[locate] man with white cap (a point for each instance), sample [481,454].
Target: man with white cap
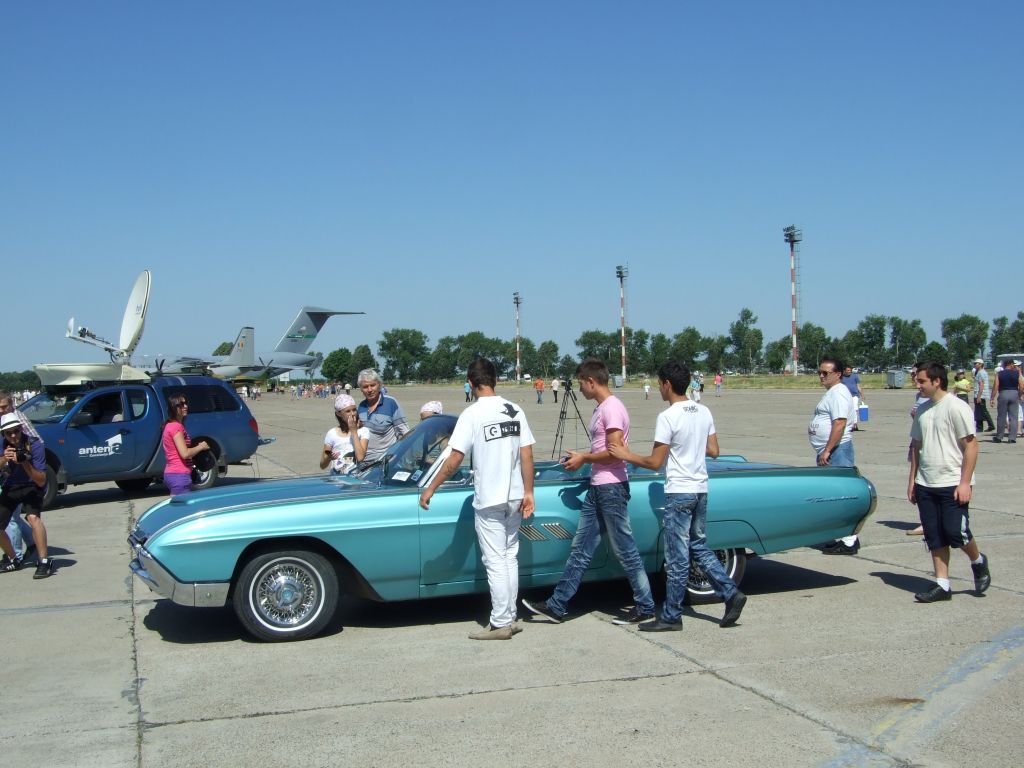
[23,464]
[981,393]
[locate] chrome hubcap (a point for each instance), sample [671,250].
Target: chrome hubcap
[287,594]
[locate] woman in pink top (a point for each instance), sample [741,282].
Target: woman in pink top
[178,472]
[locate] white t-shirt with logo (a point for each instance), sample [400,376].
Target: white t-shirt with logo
[492,430]
[341,443]
[836,404]
[685,427]
[939,426]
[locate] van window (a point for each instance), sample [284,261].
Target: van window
[203,398]
[137,402]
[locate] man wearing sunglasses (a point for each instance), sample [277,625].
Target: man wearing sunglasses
[23,466]
[830,434]
[18,531]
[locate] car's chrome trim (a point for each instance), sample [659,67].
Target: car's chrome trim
[158,579]
[531,533]
[558,531]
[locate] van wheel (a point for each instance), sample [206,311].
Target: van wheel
[51,487]
[204,473]
[135,485]
[699,590]
[203,480]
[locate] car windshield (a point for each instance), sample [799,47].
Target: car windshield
[409,459]
[46,408]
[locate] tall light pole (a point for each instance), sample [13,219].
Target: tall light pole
[793,236]
[621,272]
[517,300]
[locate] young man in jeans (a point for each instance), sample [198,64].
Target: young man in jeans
[605,505]
[684,436]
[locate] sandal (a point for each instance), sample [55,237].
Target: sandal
[919,531]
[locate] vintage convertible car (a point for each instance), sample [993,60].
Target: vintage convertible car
[283,551]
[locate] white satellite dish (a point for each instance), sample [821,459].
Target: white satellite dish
[135,314]
[132,324]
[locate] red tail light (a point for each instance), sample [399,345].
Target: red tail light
[254,427]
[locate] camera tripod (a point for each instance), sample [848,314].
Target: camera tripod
[569,395]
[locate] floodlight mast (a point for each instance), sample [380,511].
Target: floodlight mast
[517,300]
[621,272]
[792,235]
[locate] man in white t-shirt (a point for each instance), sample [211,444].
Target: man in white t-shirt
[944,454]
[831,435]
[605,507]
[494,431]
[684,436]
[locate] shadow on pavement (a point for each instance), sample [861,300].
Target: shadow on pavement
[899,525]
[774,576]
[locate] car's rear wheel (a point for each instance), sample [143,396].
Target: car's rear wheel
[699,590]
[135,485]
[287,595]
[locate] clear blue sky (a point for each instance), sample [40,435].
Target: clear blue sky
[423,160]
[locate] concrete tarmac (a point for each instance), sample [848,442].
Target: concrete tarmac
[832,663]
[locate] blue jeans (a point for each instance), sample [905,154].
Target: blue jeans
[20,533]
[604,512]
[842,456]
[685,523]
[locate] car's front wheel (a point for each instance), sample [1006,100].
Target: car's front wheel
[699,590]
[288,595]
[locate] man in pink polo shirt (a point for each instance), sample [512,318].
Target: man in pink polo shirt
[607,497]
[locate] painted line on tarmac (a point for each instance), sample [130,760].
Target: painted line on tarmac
[968,681]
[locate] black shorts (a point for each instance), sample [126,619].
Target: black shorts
[29,496]
[945,520]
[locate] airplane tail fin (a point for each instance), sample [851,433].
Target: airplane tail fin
[304,328]
[243,353]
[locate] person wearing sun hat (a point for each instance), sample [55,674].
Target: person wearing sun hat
[345,444]
[23,465]
[431,408]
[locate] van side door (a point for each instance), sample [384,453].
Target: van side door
[100,443]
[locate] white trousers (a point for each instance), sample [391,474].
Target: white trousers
[856,410]
[497,532]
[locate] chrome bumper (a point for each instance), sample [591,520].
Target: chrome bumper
[156,577]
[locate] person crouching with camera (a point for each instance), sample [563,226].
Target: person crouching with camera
[23,467]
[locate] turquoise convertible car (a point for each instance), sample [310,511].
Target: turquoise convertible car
[283,551]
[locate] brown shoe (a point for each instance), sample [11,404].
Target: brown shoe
[492,633]
[516,628]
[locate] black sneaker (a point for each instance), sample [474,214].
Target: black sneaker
[541,609]
[733,609]
[9,566]
[933,595]
[44,569]
[635,616]
[982,578]
[842,548]
[661,626]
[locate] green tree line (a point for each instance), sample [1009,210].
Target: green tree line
[878,342]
